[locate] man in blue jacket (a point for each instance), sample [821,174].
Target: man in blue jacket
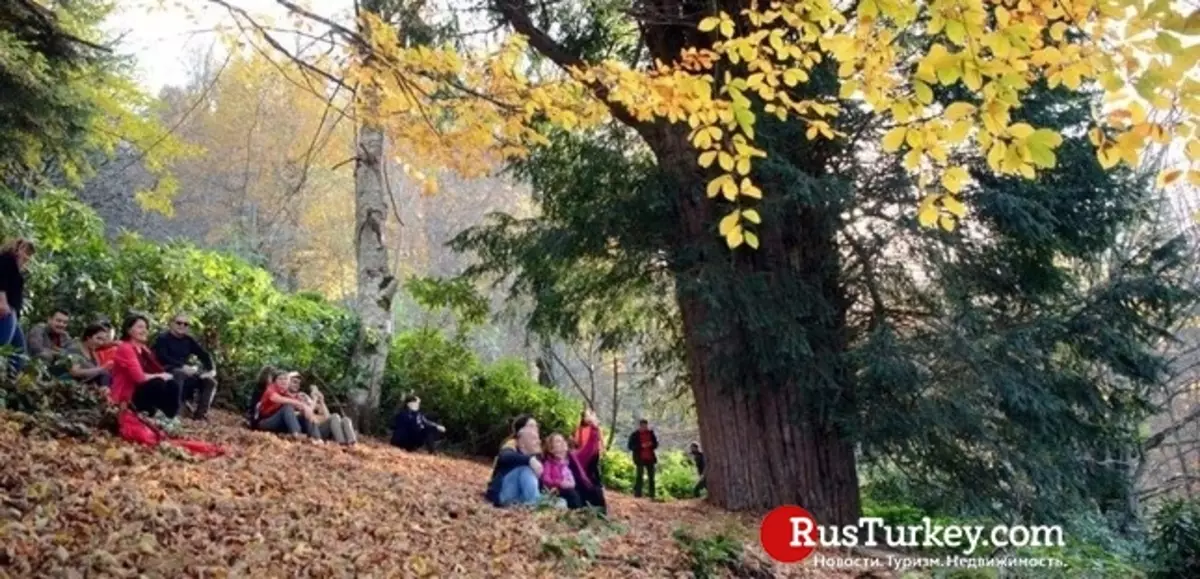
[515,476]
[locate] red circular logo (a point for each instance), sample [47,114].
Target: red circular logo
[788,534]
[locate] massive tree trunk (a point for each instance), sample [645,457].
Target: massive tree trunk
[768,442]
[376,282]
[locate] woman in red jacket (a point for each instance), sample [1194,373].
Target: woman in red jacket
[137,377]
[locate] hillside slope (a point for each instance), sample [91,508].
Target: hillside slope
[274,508]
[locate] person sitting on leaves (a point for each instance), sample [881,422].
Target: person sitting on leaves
[86,364]
[137,376]
[411,430]
[585,461]
[265,377]
[329,425]
[556,471]
[174,348]
[50,340]
[515,477]
[280,411]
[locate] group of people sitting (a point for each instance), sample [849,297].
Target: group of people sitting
[279,404]
[530,470]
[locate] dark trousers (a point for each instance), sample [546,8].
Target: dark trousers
[102,379]
[195,387]
[574,501]
[592,497]
[157,394]
[287,421]
[643,471]
[701,485]
[427,438]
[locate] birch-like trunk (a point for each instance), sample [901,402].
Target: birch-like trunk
[376,281]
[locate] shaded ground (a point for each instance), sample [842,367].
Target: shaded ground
[275,508]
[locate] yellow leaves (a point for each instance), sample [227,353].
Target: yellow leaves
[728,223]
[1168,177]
[955,178]
[722,23]
[723,185]
[894,139]
[749,189]
[705,138]
[794,76]
[990,53]
[821,128]
[930,214]
[734,233]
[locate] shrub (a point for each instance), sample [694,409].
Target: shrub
[475,403]
[246,322]
[674,479]
[1175,540]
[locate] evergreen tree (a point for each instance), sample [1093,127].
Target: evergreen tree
[1003,367]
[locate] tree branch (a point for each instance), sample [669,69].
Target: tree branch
[516,13]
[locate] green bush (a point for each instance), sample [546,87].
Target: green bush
[674,479]
[1175,540]
[475,403]
[246,322]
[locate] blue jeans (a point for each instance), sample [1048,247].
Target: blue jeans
[11,335]
[519,487]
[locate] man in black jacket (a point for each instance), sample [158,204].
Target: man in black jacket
[643,443]
[174,349]
[411,430]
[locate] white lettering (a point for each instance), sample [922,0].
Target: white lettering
[801,527]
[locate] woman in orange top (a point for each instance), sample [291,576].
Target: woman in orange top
[279,411]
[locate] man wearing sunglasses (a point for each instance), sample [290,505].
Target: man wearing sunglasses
[174,349]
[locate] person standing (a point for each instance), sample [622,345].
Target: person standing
[698,460]
[174,349]
[411,430]
[14,259]
[643,443]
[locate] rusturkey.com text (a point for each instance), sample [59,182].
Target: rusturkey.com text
[790,534]
[874,531]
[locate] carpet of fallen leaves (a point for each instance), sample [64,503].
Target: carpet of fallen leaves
[275,508]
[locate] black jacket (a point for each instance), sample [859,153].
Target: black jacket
[698,458]
[633,447]
[509,459]
[12,282]
[173,351]
[408,428]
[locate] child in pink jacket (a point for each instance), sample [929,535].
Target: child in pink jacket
[556,471]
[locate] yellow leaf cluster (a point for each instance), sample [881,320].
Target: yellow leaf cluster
[1143,56]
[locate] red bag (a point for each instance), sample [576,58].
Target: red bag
[132,428]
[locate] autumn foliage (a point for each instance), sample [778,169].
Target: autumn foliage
[279,509]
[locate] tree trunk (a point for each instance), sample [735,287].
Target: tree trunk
[616,401]
[376,282]
[768,443]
